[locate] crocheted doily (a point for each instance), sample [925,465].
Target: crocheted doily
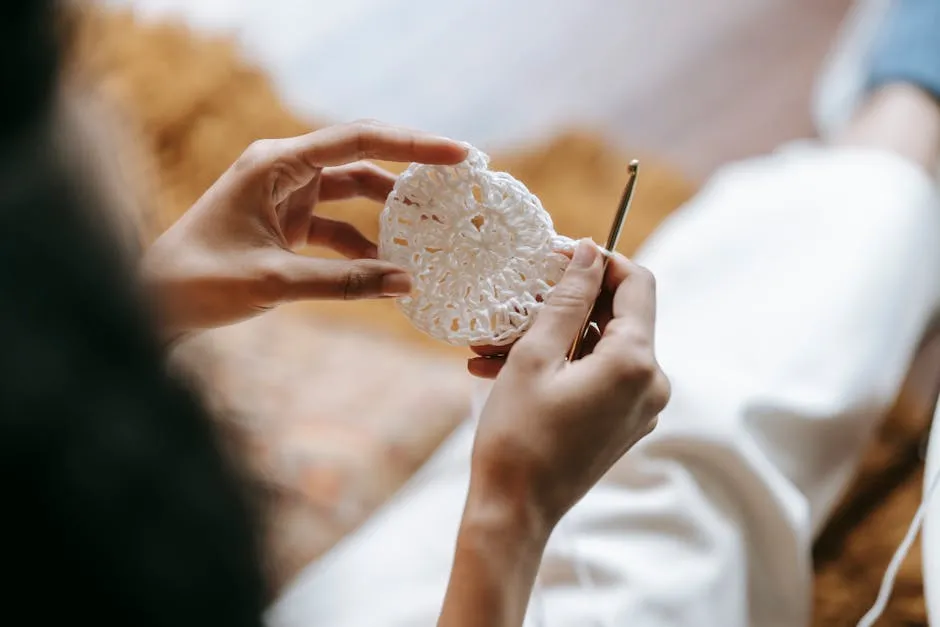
[482,252]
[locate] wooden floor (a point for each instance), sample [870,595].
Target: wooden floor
[699,82]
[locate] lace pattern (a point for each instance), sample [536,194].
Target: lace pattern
[482,251]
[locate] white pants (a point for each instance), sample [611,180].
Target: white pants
[792,293]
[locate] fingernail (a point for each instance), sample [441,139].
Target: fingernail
[584,254]
[396,284]
[372,252]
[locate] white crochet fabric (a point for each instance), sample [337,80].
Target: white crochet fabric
[482,252]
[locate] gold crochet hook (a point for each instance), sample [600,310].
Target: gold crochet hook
[612,239]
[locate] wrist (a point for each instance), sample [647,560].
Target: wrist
[518,478]
[499,550]
[503,507]
[166,296]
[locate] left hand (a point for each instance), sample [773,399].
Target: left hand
[232,255]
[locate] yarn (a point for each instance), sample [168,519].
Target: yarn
[894,566]
[482,251]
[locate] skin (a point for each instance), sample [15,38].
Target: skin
[550,429]
[234,254]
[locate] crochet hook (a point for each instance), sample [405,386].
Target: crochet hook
[612,239]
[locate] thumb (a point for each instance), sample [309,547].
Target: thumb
[310,278]
[568,305]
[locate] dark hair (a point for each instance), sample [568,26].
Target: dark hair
[120,505]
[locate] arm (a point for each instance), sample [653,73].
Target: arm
[499,550]
[550,430]
[236,252]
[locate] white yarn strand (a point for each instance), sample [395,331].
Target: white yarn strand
[887,583]
[481,249]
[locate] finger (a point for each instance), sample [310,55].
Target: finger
[342,237]
[346,143]
[633,320]
[354,180]
[566,308]
[294,208]
[603,311]
[485,367]
[309,278]
[634,291]
[491,351]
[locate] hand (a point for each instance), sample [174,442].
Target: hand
[489,359]
[232,255]
[551,429]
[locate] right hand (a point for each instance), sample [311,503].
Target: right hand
[551,429]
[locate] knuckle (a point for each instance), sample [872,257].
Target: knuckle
[257,154]
[636,362]
[568,295]
[360,173]
[357,169]
[272,283]
[638,369]
[365,169]
[527,357]
[658,393]
[364,132]
[359,282]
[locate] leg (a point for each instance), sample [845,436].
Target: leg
[792,293]
[899,118]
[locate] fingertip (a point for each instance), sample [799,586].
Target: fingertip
[618,269]
[444,151]
[396,283]
[460,149]
[485,367]
[586,256]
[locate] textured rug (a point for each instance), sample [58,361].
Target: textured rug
[299,377]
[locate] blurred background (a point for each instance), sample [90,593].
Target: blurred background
[695,82]
[562,94]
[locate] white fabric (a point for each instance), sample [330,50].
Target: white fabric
[874,614]
[792,293]
[482,251]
